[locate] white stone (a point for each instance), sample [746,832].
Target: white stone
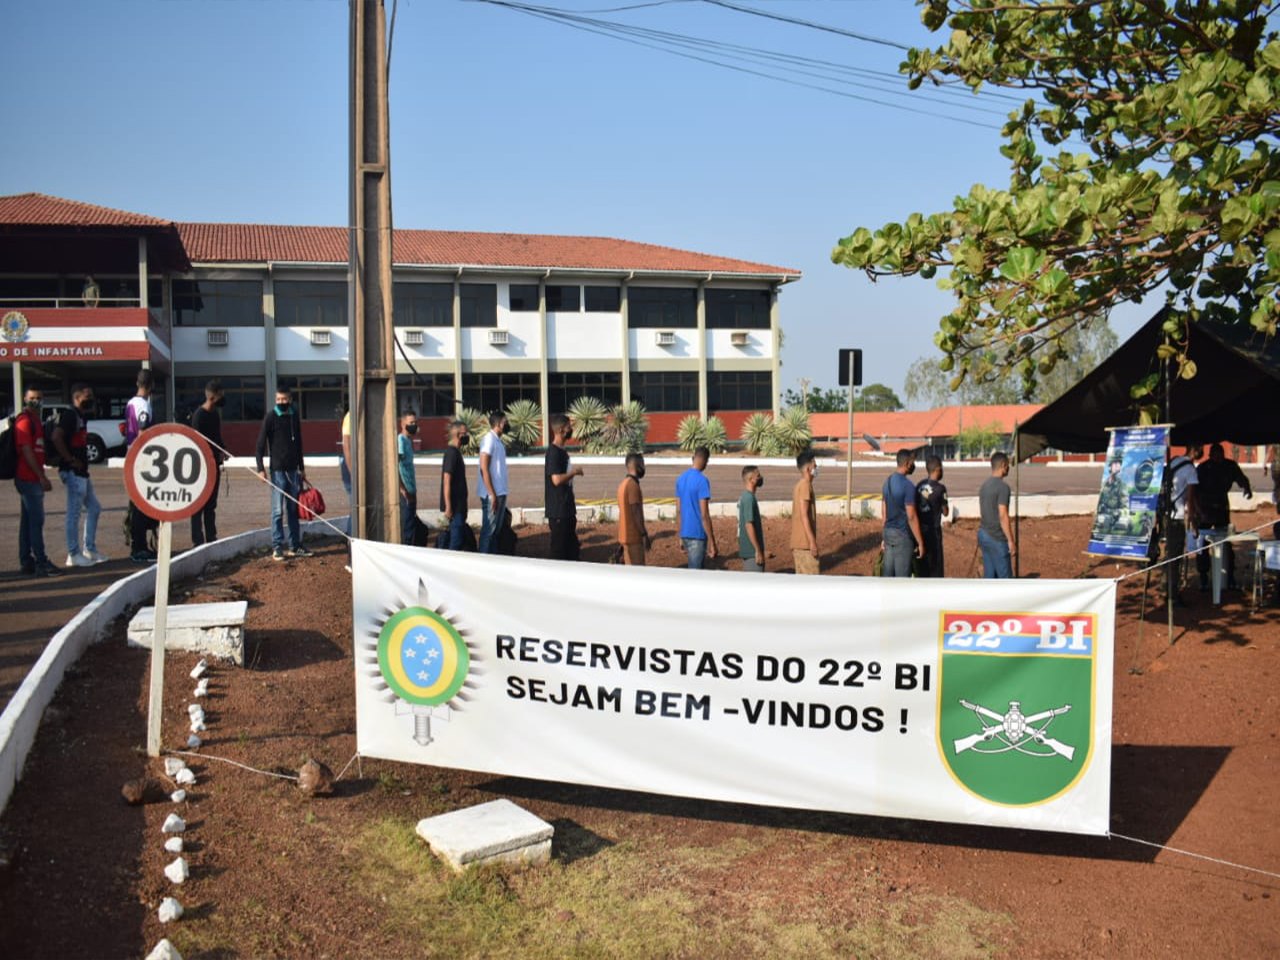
[164,950]
[172,765]
[199,668]
[202,688]
[170,909]
[186,777]
[494,832]
[174,824]
[213,628]
[177,871]
[195,710]
[197,726]
[193,742]
[178,796]
[197,716]
[174,844]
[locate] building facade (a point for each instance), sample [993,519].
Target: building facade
[481,319]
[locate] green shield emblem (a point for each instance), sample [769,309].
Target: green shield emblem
[1015,702]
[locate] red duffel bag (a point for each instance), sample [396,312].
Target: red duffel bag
[310,502]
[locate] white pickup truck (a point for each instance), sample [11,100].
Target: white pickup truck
[105,436]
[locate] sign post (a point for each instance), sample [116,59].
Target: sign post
[170,474]
[850,374]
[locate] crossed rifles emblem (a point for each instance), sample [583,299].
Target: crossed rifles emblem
[1015,731]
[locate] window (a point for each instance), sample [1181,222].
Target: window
[524,297]
[427,395]
[603,299]
[217,303]
[423,304]
[662,307]
[487,392]
[666,390]
[316,398]
[246,397]
[737,309]
[739,390]
[311,303]
[564,388]
[479,304]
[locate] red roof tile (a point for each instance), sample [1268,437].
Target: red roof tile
[919,424]
[249,243]
[38,209]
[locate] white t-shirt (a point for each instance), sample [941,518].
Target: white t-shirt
[492,445]
[1184,475]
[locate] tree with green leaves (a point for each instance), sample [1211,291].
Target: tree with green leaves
[1177,187]
[873,397]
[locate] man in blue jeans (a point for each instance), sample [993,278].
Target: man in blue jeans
[995,534]
[693,511]
[902,538]
[71,438]
[281,436]
[493,482]
[408,477]
[453,484]
[32,485]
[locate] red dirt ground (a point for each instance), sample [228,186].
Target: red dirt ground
[1196,766]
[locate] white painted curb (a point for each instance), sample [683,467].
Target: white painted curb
[21,718]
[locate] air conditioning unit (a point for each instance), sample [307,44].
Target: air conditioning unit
[217,338]
[740,338]
[665,338]
[413,338]
[499,338]
[321,338]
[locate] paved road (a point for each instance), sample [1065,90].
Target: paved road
[31,611]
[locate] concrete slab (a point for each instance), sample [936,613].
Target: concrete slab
[494,832]
[216,629]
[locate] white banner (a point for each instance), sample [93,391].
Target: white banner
[974,701]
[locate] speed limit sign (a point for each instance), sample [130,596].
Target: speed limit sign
[170,472]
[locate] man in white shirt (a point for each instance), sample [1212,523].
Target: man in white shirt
[493,482]
[1184,516]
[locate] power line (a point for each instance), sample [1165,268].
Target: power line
[812,25]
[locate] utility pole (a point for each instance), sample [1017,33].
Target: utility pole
[371,344]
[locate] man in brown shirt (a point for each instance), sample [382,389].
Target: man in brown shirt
[804,517]
[633,536]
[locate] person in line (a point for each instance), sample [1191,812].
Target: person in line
[32,485]
[995,532]
[1184,517]
[1271,465]
[633,534]
[561,507]
[281,437]
[750,525]
[408,477]
[804,517]
[693,511]
[344,466]
[207,421]
[932,508]
[493,482]
[137,418]
[453,484]
[1216,477]
[902,537]
[71,440]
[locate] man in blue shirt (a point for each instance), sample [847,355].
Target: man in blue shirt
[693,511]
[902,538]
[408,481]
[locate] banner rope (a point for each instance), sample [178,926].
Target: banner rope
[1197,856]
[234,763]
[354,757]
[1237,536]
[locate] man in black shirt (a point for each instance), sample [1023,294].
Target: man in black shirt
[70,440]
[207,421]
[932,507]
[1217,476]
[281,439]
[453,484]
[561,508]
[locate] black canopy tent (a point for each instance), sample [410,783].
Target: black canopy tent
[1234,396]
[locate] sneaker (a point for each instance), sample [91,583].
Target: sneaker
[277,554]
[96,557]
[141,557]
[78,560]
[301,552]
[47,569]
[29,568]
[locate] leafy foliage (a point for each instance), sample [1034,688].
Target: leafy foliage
[757,434]
[624,431]
[875,396]
[587,414]
[524,426]
[979,440]
[477,426]
[694,432]
[785,437]
[1176,104]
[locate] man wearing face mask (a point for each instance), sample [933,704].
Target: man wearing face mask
[137,419]
[408,478]
[804,517]
[32,485]
[493,482]
[561,507]
[902,537]
[207,420]
[453,485]
[750,526]
[71,438]
[281,436]
[633,534]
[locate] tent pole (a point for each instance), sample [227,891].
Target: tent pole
[1017,502]
[1173,571]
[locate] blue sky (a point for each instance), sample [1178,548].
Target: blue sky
[237,111]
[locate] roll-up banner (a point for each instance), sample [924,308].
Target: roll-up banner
[971,701]
[1129,499]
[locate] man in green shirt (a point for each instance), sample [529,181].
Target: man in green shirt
[750,527]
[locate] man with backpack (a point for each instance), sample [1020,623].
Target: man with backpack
[32,484]
[71,440]
[1183,504]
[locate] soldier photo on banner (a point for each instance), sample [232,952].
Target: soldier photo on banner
[1129,499]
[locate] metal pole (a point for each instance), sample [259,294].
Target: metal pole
[1173,571]
[848,470]
[159,629]
[372,345]
[17,386]
[1017,495]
